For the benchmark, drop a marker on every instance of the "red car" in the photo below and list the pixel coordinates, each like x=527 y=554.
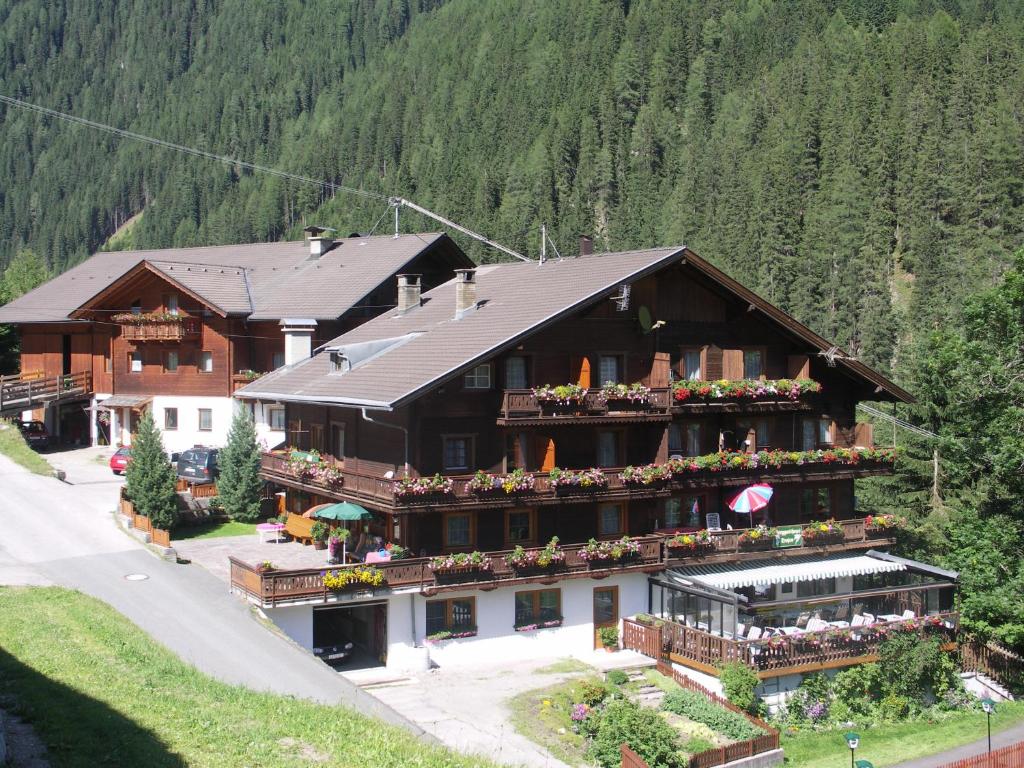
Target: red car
x=119 y=461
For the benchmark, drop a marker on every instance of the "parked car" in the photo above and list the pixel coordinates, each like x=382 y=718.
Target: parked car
x=35 y=434
x=198 y=465
x=120 y=460
x=334 y=654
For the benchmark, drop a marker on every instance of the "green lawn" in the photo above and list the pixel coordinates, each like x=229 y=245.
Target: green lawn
x=887 y=745
x=100 y=692
x=214 y=530
x=14 y=447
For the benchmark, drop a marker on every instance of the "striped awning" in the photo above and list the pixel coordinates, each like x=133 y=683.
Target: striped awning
x=784 y=571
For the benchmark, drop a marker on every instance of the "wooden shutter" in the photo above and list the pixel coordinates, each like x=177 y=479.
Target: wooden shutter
x=580 y=369
x=660 y=368
x=545 y=452
x=864 y=435
x=798 y=367
x=732 y=364
x=713 y=359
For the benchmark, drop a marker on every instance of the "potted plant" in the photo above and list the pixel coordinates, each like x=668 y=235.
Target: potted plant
x=460 y=564
x=649 y=474
x=437 y=485
x=319 y=533
x=609 y=637
x=335 y=539
x=884 y=523
x=633 y=394
x=398 y=552
x=357 y=576
x=266 y=567
x=562 y=395
x=578 y=480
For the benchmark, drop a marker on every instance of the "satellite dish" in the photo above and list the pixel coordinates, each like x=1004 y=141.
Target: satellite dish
x=644 y=316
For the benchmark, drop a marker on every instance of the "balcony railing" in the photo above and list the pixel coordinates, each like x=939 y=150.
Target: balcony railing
x=520 y=405
x=728 y=545
x=281 y=586
x=784 y=654
x=163 y=330
x=331 y=478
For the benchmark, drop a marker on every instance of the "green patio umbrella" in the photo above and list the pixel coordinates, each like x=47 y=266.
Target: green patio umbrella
x=344 y=510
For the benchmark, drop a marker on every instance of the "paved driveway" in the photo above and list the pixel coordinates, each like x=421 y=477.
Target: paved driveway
x=64 y=533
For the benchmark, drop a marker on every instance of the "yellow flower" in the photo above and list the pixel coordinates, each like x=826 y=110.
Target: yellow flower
x=547 y=702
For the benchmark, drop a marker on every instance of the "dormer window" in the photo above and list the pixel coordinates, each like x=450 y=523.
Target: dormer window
x=340 y=363
x=171 y=304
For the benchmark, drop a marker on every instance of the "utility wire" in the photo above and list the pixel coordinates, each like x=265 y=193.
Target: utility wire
x=9 y=100
x=897 y=421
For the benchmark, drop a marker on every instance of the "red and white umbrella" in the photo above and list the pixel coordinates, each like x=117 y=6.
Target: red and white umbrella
x=751 y=499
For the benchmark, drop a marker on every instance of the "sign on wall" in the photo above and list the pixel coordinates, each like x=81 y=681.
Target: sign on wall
x=789 y=536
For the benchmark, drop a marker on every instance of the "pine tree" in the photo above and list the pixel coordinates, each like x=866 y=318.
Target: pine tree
x=150 y=478
x=239 y=484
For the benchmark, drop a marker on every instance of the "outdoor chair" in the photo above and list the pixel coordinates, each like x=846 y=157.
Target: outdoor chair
x=802 y=619
x=858 y=621
x=908 y=614
x=754 y=633
x=842 y=613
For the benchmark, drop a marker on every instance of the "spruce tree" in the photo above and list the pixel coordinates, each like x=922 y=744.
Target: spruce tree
x=238 y=486
x=150 y=478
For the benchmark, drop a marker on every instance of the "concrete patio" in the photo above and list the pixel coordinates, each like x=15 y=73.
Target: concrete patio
x=212 y=554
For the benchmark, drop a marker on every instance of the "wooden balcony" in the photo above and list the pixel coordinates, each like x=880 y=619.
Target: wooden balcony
x=30 y=390
x=289 y=586
x=783 y=655
x=239 y=380
x=164 y=330
x=521 y=406
x=345 y=484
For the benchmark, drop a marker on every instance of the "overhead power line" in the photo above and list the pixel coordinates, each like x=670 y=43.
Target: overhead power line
x=898 y=422
x=186 y=150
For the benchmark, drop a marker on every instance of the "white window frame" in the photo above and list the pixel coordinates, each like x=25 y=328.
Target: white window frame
x=478 y=378
x=135 y=361
x=272 y=413
x=205 y=355
x=200 y=419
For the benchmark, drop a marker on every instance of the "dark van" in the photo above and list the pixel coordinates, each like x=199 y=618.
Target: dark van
x=198 y=465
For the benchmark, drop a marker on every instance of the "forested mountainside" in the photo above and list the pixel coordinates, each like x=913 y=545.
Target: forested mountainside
x=858 y=162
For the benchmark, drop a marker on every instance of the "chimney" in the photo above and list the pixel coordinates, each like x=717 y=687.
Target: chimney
x=465 y=291
x=586 y=245
x=408 y=293
x=319 y=244
x=298 y=339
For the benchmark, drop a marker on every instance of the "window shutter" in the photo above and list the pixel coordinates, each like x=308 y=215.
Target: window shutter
x=580 y=369
x=798 y=367
x=714 y=360
x=545 y=451
x=732 y=364
x=864 y=435
x=660 y=370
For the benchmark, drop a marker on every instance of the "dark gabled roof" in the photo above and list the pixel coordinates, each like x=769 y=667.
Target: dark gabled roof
x=264 y=281
x=403 y=355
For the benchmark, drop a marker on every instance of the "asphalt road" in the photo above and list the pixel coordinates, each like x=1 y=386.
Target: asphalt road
x=64 y=533
x=1004 y=738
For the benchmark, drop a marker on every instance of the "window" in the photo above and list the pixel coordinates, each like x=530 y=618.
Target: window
x=137 y=307
x=171 y=303
x=693 y=508
x=457 y=452
x=675 y=440
x=277 y=360
x=753 y=364
x=537 y=606
x=170 y=418
x=338 y=440
x=275 y=417
x=316 y=437
x=815 y=432
x=672 y=513
x=607 y=449
x=107 y=368
x=691 y=365
x=455 y=615
x=479 y=377
x=609 y=369
x=135 y=361
x=205 y=419
x=458 y=530
x=170 y=362
x=519 y=525
x=610 y=520
x=761 y=430
x=816 y=503
x=693 y=441
x=515 y=373
x=816 y=587
x=516 y=451
x=206 y=362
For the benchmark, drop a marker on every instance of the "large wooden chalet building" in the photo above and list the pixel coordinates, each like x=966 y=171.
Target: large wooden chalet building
x=177 y=331
x=589 y=399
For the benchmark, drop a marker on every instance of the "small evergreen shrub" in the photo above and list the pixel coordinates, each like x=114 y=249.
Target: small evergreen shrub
x=701 y=709
x=150 y=480
x=617 y=677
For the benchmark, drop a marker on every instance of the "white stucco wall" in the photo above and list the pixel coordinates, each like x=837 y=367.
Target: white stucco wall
x=187 y=434
x=266 y=437
x=296 y=621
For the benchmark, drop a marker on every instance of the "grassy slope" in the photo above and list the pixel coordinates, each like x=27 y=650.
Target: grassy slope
x=888 y=745
x=100 y=692
x=14 y=447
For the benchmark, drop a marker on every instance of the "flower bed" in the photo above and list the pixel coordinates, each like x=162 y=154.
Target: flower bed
x=516 y=481
x=422 y=486
x=635 y=393
x=538 y=625
x=609 y=551
x=359 y=576
x=550 y=557
x=822 y=532
x=585 y=479
x=743 y=389
x=690 y=542
x=760 y=536
x=563 y=394
x=877 y=523
x=460 y=562
x=649 y=474
x=438 y=637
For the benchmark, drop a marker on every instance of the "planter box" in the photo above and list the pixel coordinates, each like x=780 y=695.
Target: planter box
x=466 y=573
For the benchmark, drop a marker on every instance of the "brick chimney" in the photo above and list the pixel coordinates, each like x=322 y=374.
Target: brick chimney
x=408 y=292
x=465 y=291
x=586 y=245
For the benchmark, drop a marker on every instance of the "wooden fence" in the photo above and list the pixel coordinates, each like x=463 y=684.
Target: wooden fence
x=722 y=755
x=991 y=659
x=631 y=759
x=1007 y=757
x=643 y=638
x=198 y=490
x=158 y=536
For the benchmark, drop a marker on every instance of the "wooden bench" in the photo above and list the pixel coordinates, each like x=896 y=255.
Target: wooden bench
x=299 y=528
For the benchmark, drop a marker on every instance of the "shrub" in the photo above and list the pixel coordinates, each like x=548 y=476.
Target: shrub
x=319 y=531
x=894 y=707
x=644 y=730
x=739 y=682
x=915 y=667
x=592 y=693
x=617 y=677
x=609 y=637
x=239 y=484
x=701 y=709
x=150 y=479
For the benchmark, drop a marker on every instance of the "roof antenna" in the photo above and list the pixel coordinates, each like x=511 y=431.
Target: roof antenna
x=396 y=221
x=543 y=242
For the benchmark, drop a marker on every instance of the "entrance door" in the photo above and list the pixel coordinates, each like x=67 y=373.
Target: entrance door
x=65 y=355
x=606 y=610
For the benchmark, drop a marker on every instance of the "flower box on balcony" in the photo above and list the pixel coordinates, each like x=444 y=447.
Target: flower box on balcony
x=824 y=532
x=359 y=577
x=761 y=537
x=883 y=524
x=743 y=389
x=422 y=487
x=650 y=475
x=564 y=395
x=515 y=482
x=536 y=561
x=550 y=623
x=461 y=566
x=625 y=396
x=600 y=554
x=683 y=544
x=575 y=481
